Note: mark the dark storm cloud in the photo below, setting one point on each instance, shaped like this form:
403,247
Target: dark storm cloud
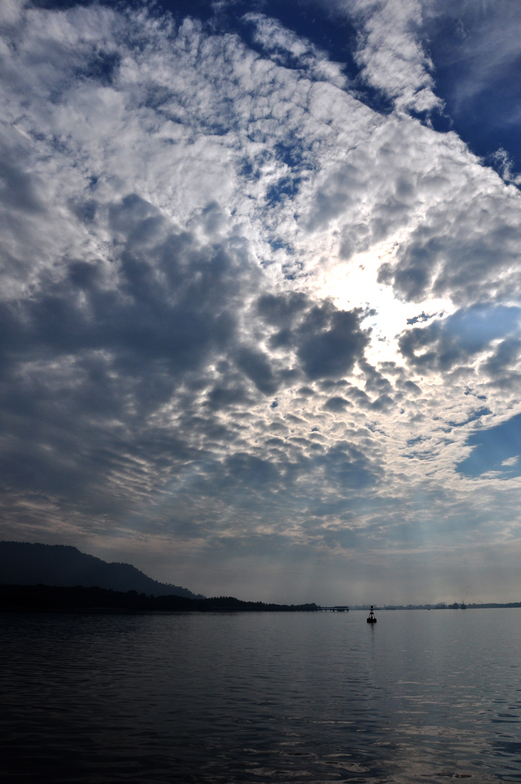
458,338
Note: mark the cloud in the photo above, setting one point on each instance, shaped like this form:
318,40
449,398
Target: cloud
291,50
391,54
256,366
499,365
329,342
458,338
216,246
336,404
471,262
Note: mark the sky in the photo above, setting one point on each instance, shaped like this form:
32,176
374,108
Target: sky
260,298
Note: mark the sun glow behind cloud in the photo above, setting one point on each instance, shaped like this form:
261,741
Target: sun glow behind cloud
387,315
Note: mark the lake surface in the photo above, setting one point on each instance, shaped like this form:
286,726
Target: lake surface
423,696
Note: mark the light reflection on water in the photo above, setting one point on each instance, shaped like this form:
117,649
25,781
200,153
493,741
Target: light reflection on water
304,697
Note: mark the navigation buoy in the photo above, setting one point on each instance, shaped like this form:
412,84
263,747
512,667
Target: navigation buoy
372,618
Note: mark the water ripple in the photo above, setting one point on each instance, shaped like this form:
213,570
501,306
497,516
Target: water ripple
217,699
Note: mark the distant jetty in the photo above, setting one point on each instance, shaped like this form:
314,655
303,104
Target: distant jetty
455,606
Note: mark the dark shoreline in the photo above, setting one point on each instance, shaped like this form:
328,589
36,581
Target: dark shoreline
80,599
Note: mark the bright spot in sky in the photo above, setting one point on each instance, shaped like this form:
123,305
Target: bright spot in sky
355,285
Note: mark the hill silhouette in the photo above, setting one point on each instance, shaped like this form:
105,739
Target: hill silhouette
80,599
22,563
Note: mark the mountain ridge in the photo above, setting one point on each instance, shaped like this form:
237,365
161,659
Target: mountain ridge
62,565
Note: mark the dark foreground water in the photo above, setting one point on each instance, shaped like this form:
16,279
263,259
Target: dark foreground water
305,697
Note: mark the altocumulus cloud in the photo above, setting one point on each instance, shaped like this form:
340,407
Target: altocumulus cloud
217,240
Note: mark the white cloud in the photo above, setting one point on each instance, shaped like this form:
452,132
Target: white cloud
390,51
288,48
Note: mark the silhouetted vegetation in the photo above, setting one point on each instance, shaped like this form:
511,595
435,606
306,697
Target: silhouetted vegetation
78,598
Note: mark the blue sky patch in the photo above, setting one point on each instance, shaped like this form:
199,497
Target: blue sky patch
495,449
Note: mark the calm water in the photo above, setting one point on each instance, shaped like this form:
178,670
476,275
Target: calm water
305,697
